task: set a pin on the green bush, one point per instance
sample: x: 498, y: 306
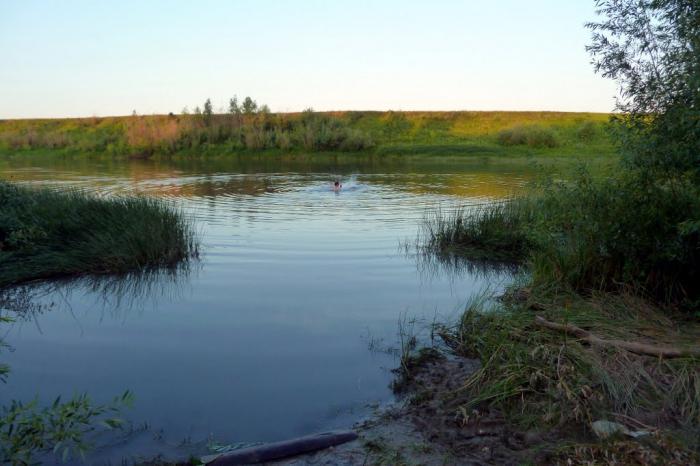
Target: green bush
x: 627, y: 230
x: 587, y: 131
x: 396, y: 126
x: 529, y: 135
x: 316, y: 132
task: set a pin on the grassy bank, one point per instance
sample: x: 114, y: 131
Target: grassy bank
x: 626, y: 393
x: 47, y: 233
x: 541, y: 372
x: 604, y: 325
x: 381, y: 133
x: 617, y: 233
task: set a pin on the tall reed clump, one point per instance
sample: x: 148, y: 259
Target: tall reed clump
x: 495, y: 231
x: 48, y: 233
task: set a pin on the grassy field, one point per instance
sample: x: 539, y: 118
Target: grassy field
x: 380, y: 133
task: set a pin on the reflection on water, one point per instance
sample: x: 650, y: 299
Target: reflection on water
x: 114, y: 295
x: 434, y: 265
x: 266, y: 338
x: 260, y: 176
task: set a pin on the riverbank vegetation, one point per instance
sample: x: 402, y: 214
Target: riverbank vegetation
x: 29, y: 432
x: 562, y: 378
x: 596, y: 348
x: 619, y: 233
x: 248, y: 128
x: 46, y: 233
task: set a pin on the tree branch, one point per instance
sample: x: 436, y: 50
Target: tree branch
x: 633, y: 347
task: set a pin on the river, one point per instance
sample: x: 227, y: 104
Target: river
x: 288, y: 322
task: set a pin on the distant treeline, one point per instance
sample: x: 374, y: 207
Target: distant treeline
x: 248, y: 126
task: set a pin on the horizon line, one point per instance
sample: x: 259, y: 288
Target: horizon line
x: 315, y: 111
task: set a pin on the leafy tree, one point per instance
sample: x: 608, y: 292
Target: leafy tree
x: 233, y: 107
x: 207, y: 112
x: 249, y: 106
x: 644, y: 220
x: 264, y: 109
x: 652, y: 49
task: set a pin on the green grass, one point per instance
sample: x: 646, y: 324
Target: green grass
x: 47, y: 233
x: 544, y: 377
x: 615, y: 233
x: 381, y: 133
x: 615, y: 255
x: 488, y: 232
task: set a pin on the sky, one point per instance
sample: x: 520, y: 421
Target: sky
x: 85, y: 58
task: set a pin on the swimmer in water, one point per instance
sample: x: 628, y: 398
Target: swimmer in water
x: 337, y: 186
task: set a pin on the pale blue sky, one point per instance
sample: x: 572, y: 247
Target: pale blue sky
x: 83, y: 58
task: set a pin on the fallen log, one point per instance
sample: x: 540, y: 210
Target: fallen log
x: 633, y: 347
x: 284, y: 449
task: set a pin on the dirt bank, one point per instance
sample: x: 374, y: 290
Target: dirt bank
x: 423, y: 429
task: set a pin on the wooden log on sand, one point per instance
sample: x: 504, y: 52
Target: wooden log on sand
x: 284, y: 449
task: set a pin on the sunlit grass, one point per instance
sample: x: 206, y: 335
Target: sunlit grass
x: 382, y: 133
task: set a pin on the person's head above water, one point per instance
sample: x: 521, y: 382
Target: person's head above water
x: 337, y: 183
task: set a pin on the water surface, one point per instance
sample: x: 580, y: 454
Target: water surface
x: 282, y: 328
